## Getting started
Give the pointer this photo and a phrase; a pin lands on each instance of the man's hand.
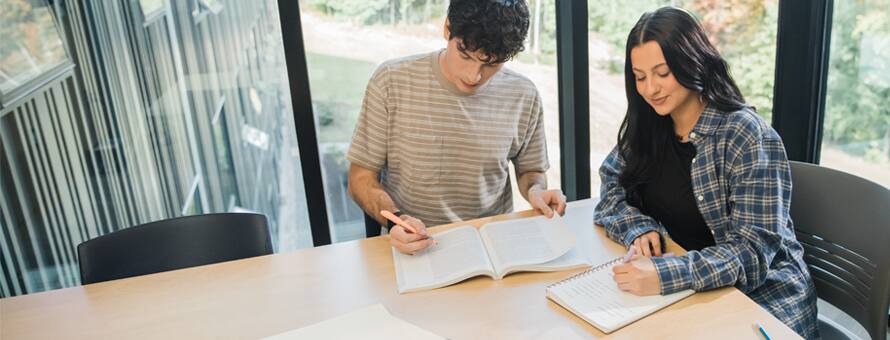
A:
(638, 276)
(407, 242)
(547, 202)
(648, 244)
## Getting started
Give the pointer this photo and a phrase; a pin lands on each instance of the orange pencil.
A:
(395, 219)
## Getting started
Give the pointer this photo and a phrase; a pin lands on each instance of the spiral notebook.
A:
(594, 296)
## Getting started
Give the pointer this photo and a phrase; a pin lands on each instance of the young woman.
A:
(694, 161)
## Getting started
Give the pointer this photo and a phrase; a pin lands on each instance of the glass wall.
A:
(174, 108)
(856, 131)
(31, 44)
(346, 41)
(743, 31)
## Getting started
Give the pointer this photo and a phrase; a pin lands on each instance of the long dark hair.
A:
(697, 66)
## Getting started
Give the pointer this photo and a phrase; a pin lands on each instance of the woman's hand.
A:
(638, 276)
(648, 244)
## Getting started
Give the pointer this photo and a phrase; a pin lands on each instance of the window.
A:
(743, 31)
(856, 132)
(185, 115)
(538, 63)
(345, 42)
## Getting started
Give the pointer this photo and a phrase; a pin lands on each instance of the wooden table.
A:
(267, 295)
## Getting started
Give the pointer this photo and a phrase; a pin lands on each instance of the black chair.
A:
(173, 244)
(843, 222)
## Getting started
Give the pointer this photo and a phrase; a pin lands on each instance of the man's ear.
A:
(446, 31)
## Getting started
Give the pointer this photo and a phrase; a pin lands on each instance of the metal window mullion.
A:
(802, 51)
(574, 101)
(304, 120)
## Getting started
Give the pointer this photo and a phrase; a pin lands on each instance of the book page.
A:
(459, 254)
(371, 323)
(595, 297)
(572, 258)
(579, 219)
(526, 241)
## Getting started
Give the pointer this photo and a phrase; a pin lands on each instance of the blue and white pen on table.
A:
(762, 331)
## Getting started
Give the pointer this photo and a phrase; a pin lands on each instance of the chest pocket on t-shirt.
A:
(421, 158)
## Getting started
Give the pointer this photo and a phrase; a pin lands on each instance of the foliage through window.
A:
(856, 131)
(744, 31)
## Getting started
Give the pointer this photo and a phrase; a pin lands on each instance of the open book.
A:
(495, 249)
(594, 296)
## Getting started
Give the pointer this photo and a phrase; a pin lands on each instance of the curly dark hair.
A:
(497, 28)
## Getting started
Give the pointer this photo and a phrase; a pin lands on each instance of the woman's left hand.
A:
(638, 276)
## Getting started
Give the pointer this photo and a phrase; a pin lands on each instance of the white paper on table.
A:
(370, 323)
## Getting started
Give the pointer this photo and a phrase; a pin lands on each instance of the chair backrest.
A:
(173, 244)
(843, 222)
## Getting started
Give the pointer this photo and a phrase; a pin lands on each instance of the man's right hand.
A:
(407, 242)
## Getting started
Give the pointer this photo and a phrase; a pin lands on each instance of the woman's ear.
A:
(446, 31)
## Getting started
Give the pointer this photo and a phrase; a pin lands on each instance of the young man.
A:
(437, 130)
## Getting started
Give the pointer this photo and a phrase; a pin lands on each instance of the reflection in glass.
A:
(151, 8)
(29, 42)
(183, 115)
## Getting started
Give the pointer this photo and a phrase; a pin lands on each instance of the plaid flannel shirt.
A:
(742, 185)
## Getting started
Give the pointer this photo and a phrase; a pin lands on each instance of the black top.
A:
(669, 199)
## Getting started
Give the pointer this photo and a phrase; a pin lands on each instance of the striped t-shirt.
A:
(443, 155)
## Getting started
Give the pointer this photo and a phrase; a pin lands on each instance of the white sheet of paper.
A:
(369, 323)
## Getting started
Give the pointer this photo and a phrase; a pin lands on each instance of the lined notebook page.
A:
(594, 296)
